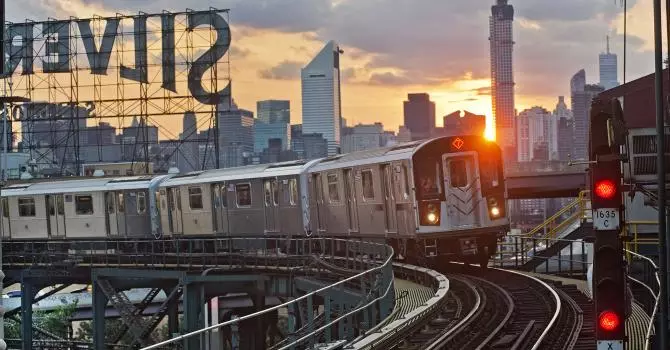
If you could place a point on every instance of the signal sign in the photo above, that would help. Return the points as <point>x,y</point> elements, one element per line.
<point>458,143</point>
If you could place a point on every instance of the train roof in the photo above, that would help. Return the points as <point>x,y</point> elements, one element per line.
<point>378,155</point>
<point>81,185</point>
<point>241,173</point>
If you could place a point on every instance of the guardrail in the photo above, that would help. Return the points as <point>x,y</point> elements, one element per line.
<point>648,266</point>
<point>570,260</point>
<point>391,333</point>
<point>376,284</point>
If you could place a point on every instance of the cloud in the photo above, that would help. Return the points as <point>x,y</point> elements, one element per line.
<point>389,78</point>
<point>482,91</point>
<point>287,70</point>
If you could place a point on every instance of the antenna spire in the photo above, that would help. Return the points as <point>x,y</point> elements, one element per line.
<point>608,44</point>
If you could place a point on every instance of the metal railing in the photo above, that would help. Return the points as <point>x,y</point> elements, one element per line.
<point>653,291</point>
<point>375,283</point>
<point>570,260</point>
<point>632,229</point>
<point>188,253</point>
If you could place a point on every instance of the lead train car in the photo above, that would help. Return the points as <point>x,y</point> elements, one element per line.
<point>95,208</point>
<point>440,197</point>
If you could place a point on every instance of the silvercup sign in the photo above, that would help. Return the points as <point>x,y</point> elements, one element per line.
<point>59,43</point>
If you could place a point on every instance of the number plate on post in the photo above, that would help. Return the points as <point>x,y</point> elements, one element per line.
<point>606,219</point>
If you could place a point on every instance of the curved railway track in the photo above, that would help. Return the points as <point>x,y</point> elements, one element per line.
<point>494,309</point>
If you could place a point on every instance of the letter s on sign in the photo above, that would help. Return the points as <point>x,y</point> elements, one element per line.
<point>209,58</point>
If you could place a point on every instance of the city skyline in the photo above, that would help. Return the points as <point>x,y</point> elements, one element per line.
<point>266,59</point>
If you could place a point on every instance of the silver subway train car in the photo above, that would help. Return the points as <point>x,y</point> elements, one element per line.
<point>444,197</point>
<point>95,208</point>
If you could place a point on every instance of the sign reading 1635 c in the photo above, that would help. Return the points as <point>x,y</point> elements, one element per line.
<point>605,219</point>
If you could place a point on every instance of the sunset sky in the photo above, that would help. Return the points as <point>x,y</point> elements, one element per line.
<point>395,47</point>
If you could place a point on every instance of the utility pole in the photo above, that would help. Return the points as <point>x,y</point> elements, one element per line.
<point>662,326</point>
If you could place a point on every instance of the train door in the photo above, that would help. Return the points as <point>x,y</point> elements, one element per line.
<point>6,229</point>
<point>220,198</point>
<point>271,203</point>
<point>56,217</point>
<point>388,187</point>
<point>350,196</point>
<point>121,213</point>
<point>176,224</point>
<point>320,203</point>
<point>111,214</point>
<point>461,188</point>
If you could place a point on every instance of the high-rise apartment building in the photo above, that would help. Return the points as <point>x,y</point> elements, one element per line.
<point>236,135</point>
<point>321,96</point>
<point>608,68</point>
<point>536,135</point>
<point>502,76</point>
<point>419,112</point>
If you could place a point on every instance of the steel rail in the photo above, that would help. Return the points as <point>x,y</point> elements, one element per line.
<point>556,298</point>
<point>459,326</point>
<point>277,307</point>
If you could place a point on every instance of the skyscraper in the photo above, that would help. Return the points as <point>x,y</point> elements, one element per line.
<point>321,96</point>
<point>502,76</point>
<point>581,96</point>
<point>608,68</point>
<point>274,111</point>
<point>419,113</point>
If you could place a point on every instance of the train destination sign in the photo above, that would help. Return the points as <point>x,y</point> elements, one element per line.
<point>63,46</point>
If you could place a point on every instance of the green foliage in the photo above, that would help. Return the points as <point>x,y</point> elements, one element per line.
<point>56,322</point>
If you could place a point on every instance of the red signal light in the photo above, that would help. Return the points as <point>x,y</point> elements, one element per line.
<point>605,189</point>
<point>608,321</point>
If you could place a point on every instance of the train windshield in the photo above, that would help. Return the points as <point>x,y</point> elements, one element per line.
<point>429,179</point>
<point>490,173</point>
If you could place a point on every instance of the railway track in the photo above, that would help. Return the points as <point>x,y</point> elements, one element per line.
<point>493,309</point>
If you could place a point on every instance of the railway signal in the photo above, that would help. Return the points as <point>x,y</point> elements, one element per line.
<point>609,282</point>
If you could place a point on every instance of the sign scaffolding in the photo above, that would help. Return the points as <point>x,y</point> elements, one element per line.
<point>115,89</point>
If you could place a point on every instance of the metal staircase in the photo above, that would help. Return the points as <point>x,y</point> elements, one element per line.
<point>128,311</point>
<point>529,250</point>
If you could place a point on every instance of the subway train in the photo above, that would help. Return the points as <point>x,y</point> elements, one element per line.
<point>443,197</point>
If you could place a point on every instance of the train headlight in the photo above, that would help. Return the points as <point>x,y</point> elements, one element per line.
<point>495,212</point>
<point>432,218</point>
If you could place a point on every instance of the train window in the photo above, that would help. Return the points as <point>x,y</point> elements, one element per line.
<point>275,192</point>
<point>224,196</point>
<point>293,191</point>
<point>121,203</point>
<point>83,205</point>
<point>26,207</point>
<point>162,199</point>
<point>141,202</point>
<point>368,184</point>
<point>333,188</point>
<point>429,181</point>
<point>268,192</point>
<point>458,173</point>
<point>195,197</point>
<point>110,203</point>
<point>60,205</point>
<point>405,176</point>
<point>5,207</point>
<point>216,189</point>
<point>489,171</point>
<point>243,192</point>
<point>50,206</point>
